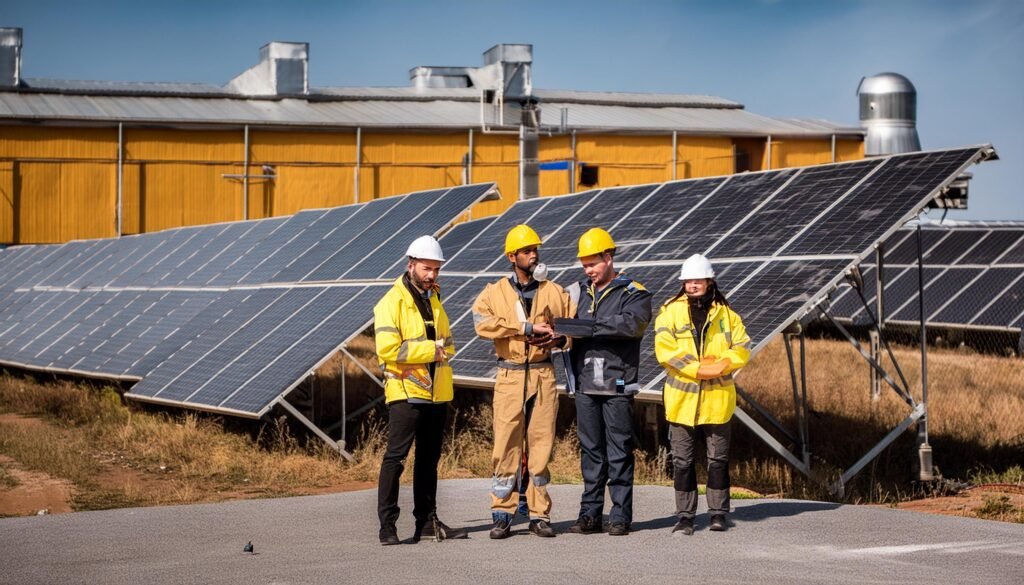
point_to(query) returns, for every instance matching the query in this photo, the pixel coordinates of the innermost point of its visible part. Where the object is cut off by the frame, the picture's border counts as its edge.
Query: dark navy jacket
(608, 361)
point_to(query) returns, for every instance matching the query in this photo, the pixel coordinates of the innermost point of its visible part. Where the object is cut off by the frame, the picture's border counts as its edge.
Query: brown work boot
(542, 528)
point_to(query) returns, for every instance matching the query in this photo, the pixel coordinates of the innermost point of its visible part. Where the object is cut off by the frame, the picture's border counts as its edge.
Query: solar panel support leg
(799, 393)
(772, 442)
(338, 446)
(867, 357)
(914, 416)
(363, 368)
(927, 472)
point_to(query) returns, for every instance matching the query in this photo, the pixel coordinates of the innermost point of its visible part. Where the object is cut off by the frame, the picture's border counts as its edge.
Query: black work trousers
(407, 422)
(605, 428)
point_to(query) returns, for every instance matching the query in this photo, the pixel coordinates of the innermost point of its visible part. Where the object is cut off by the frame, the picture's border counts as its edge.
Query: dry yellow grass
(976, 422)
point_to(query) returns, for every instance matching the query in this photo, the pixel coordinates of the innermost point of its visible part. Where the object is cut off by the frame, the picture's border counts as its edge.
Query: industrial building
(92, 159)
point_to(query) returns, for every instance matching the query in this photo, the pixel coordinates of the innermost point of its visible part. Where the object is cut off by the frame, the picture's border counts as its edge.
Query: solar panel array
(973, 278)
(226, 317)
(780, 240)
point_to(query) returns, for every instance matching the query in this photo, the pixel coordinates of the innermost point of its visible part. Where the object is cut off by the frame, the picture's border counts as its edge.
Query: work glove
(711, 368)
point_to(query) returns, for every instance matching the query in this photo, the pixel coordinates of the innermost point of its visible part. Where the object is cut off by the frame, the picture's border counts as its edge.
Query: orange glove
(710, 370)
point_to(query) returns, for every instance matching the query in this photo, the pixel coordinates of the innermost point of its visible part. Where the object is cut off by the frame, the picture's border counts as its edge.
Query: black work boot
(718, 523)
(389, 535)
(437, 530)
(585, 525)
(684, 526)
(502, 525)
(618, 529)
(542, 528)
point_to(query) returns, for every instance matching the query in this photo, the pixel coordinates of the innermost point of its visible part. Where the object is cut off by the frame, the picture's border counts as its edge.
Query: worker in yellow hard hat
(612, 313)
(701, 342)
(516, 313)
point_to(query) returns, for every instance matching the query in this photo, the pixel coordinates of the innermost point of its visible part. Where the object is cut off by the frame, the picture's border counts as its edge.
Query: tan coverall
(497, 315)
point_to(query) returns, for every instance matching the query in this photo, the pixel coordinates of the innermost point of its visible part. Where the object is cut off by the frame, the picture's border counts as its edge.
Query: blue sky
(779, 58)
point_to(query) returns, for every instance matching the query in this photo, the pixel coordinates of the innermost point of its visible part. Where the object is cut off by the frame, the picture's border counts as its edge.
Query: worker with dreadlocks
(516, 312)
(700, 341)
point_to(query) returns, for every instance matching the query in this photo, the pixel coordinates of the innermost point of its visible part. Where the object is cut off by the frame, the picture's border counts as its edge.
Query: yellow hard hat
(519, 237)
(595, 241)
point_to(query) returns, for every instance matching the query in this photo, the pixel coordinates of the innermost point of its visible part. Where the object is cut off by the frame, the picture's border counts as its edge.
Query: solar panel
(212, 316)
(781, 240)
(967, 267)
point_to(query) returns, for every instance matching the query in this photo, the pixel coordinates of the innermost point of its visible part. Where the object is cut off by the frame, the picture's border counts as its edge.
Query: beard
(424, 285)
(529, 266)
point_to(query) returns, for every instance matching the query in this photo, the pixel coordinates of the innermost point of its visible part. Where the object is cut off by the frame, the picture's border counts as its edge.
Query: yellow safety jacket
(495, 316)
(404, 352)
(690, 401)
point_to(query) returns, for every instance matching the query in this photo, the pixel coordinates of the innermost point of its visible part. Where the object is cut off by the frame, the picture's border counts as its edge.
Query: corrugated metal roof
(400, 107)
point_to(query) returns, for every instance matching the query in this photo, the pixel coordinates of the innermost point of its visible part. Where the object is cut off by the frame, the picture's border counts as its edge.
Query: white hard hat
(425, 248)
(696, 267)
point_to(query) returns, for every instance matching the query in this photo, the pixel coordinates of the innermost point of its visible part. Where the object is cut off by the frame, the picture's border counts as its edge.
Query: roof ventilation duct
(10, 57)
(888, 111)
(506, 71)
(283, 70)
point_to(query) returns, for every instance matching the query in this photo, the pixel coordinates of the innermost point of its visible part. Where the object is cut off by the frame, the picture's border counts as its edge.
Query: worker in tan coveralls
(517, 312)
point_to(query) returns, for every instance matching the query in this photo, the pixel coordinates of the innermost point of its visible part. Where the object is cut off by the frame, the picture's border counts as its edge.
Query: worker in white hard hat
(613, 311)
(516, 313)
(414, 344)
(701, 343)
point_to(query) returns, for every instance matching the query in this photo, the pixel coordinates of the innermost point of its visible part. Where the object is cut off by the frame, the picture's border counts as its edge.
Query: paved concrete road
(333, 539)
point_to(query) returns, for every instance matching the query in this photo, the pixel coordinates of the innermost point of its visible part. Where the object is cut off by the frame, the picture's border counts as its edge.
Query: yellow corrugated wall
(799, 153)
(496, 159)
(58, 184)
(312, 170)
(553, 149)
(626, 160)
(6, 202)
(704, 156)
(181, 178)
(402, 163)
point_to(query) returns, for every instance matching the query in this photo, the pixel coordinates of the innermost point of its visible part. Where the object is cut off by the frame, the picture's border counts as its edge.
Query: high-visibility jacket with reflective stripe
(404, 352)
(690, 401)
(495, 316)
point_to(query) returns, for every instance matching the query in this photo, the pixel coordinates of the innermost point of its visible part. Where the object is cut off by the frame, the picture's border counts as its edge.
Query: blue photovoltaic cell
(342, 225)
(176, 377)
(366, 228)
(604, 210)
(287, 368)
(940, 287)
(482, 251)
(714, 216)
(793, 208)
(430, 221)
(219, 238)
(1014, 255)
(990, 285)
(994, 244)
(241, 256)
(892, 193)
(192, 243)
(1004, 311)
(769, 298)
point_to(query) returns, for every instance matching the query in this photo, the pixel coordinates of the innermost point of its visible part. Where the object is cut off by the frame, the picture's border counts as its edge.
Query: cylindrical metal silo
(888, 111)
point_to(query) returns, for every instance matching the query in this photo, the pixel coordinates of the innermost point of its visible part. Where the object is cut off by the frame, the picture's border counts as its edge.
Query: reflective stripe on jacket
(403, 350)
(690, 401)
(495, 316)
